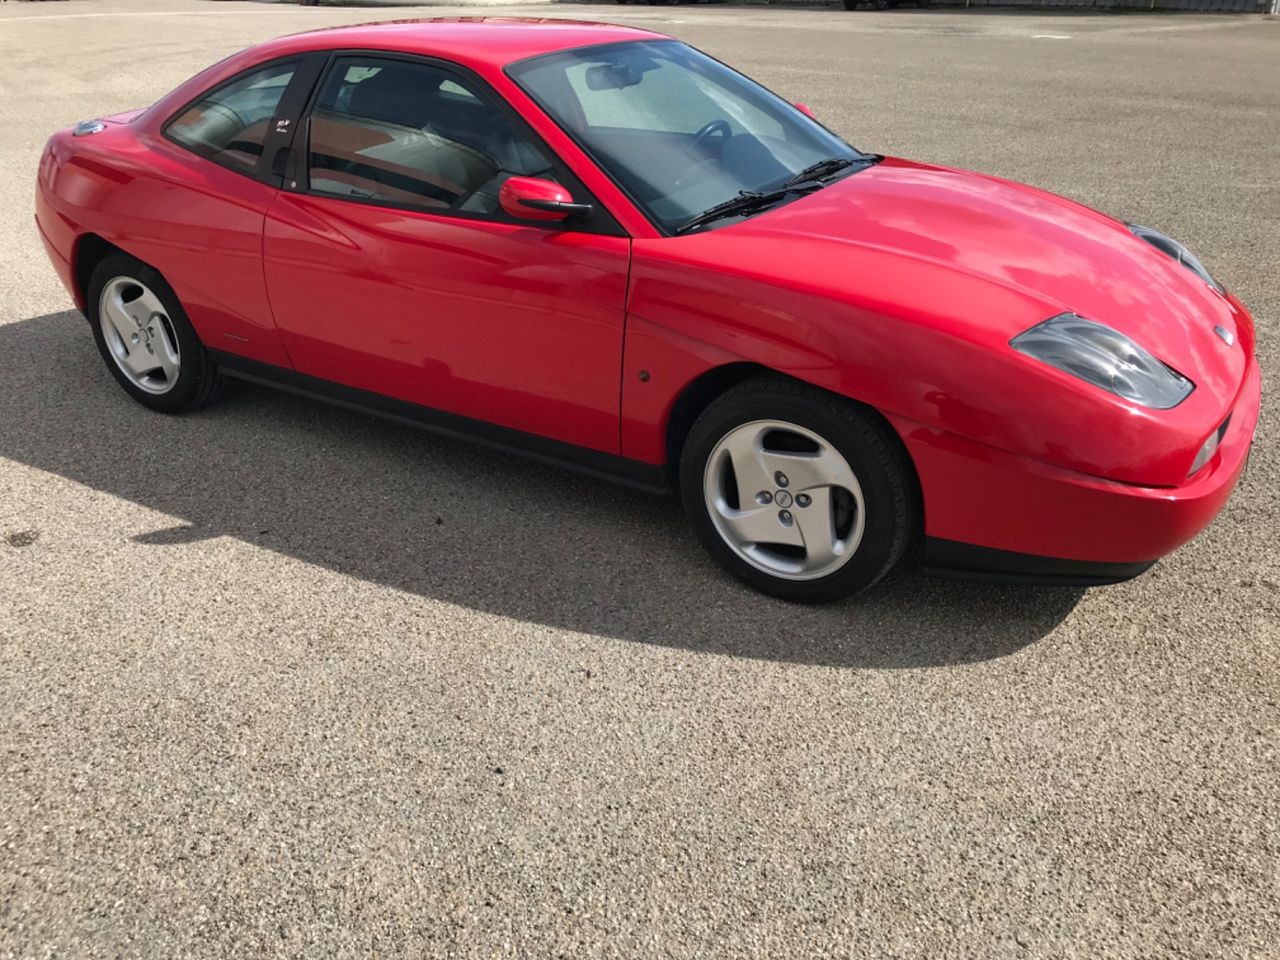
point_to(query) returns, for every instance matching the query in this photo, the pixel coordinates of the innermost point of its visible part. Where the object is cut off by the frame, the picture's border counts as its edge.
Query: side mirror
(529, 198)
(804, 108)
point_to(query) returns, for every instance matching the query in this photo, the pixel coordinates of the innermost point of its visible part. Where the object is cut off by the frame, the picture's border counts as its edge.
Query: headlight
(1106, 358)
(1173, 248)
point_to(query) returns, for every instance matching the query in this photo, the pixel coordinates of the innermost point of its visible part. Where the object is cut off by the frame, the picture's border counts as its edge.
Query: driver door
(392, 268)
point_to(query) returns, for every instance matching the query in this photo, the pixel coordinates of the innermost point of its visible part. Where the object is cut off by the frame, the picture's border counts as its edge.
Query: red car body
(900, 288)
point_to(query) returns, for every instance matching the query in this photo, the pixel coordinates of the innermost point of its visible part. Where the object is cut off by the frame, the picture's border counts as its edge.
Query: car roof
(491, 41)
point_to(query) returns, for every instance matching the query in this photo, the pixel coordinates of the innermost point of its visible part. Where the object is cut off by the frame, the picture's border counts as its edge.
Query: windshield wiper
(745, 202)
(810, 178)
(825, 168)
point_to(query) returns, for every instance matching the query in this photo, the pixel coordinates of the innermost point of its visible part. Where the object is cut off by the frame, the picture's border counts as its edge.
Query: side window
(410, 133)
(230, 123)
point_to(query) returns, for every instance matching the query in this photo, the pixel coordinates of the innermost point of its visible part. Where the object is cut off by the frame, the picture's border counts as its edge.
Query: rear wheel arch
(90, 250)
(162, 335)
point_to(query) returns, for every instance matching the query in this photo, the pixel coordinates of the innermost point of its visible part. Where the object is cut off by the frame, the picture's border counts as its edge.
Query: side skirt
(593, 463)
(966, 561)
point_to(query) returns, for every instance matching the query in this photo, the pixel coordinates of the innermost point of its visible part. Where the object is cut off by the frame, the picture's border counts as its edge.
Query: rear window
(230, 124)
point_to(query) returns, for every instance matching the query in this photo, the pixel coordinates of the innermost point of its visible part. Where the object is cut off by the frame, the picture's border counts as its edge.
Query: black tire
(883, 470)
(851, 4)
(197, 381)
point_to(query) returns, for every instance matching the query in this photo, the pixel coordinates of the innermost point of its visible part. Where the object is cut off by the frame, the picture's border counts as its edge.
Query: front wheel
(800, 494)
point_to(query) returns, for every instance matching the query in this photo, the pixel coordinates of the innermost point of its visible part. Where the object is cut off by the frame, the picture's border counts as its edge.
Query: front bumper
(964, 561)
(990, 514)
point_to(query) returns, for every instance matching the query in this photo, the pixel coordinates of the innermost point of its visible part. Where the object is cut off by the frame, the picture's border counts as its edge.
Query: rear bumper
(61, 264)
(994, 515)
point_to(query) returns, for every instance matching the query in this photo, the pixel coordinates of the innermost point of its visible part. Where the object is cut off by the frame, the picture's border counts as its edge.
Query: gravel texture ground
(281, 680)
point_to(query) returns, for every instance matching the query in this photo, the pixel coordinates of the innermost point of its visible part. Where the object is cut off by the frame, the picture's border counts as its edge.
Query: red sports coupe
(597, 246)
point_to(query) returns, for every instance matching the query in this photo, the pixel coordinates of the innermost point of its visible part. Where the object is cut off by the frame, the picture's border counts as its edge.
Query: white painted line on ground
(1050, 36)
(132, 13)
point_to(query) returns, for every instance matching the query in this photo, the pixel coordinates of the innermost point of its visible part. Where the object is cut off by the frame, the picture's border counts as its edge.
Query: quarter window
(230, 124)
(412, 134)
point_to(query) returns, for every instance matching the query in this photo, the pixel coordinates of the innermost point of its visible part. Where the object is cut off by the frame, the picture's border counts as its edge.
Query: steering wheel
(711, 129)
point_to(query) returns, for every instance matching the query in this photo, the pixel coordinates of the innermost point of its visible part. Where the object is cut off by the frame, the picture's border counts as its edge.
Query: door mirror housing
(528, 198)
(804, 108)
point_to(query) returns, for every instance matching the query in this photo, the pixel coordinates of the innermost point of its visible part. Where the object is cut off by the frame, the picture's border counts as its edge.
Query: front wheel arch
(698, 394)
(852, 439)
(710, 385)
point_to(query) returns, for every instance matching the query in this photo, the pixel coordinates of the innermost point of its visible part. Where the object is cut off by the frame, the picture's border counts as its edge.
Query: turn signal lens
(1208, 450)
(1210, 447)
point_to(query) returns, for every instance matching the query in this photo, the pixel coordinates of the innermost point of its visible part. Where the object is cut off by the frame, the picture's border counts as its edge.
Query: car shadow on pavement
(442, 519)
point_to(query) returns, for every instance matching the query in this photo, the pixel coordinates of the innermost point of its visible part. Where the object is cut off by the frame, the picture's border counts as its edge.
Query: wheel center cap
(782, 498)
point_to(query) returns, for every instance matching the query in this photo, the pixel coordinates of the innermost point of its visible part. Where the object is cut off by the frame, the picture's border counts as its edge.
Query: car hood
(901, 233)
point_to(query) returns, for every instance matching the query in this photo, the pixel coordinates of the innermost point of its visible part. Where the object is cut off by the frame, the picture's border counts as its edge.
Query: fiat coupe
(597, 246)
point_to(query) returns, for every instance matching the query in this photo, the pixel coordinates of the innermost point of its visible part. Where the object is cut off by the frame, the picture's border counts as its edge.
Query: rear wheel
(800, 494)
(145, 338)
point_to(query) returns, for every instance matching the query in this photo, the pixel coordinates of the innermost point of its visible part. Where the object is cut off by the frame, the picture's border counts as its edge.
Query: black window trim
(296, 92)
(600, 221)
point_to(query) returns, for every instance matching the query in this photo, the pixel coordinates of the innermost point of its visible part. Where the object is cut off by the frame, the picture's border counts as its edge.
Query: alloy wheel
(784, 499)
(139, 335)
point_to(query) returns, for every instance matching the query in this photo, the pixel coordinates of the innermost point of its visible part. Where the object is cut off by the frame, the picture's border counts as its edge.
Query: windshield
(678, 131)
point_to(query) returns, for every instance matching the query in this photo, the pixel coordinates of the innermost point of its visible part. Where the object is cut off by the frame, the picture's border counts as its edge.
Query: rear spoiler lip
(86, 128)
(127, 116)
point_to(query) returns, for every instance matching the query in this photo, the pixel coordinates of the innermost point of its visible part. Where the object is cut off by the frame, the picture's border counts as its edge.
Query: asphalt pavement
(282, 680)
